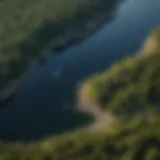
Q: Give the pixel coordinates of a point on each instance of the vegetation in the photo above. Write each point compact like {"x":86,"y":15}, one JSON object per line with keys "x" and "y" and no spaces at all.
{"x":136,"y":139}
{"x":128,"y":86}
{"x":26,"y":27}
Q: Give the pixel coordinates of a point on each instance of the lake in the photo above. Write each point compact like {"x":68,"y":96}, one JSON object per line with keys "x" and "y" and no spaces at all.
{"x":46,"y":103}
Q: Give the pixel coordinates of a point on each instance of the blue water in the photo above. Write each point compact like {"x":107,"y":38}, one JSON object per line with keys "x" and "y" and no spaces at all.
{"x":46,"y":104}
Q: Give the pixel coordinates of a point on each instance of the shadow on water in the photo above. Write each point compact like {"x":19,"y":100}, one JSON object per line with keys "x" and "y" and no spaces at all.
{"x":32,"y":115}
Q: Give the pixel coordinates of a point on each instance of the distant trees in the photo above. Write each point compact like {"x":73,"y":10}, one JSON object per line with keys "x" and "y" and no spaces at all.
{"x":26,"y":27}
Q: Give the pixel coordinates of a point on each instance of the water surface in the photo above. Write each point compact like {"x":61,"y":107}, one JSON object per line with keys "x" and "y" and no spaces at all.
{"x":45,"y":104}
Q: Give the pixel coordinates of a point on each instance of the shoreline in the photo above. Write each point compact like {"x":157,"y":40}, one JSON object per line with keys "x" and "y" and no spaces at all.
{"x":88,"y":106}
{"x":60,"y":44}
{"x":101,"y":118}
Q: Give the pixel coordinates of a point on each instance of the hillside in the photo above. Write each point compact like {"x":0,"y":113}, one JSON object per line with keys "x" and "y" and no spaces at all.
{"x":130,"y":85}
{"x":28,"y":27}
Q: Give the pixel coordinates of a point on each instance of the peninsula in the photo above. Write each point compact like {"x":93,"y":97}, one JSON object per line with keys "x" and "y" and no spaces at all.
{"x":130,"y":90}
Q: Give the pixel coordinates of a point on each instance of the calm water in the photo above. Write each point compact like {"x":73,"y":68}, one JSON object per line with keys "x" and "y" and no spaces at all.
{"x":45,"y":104}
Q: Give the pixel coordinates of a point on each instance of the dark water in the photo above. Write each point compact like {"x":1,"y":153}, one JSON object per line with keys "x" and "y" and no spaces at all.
{"x":45,"y":104}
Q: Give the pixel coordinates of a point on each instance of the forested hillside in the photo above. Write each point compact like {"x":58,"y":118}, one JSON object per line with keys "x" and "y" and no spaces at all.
{"x":27,"y":27}
{"x":131,"y":85}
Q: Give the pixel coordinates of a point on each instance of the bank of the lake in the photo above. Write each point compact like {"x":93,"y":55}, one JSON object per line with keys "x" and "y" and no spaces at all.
{"x":45,"y":104}
{"x":126,"y":87}
{"x":37,"y":47}
{"x":54,"y":46}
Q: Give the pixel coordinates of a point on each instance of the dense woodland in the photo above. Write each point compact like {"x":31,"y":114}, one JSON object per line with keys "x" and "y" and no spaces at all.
{"x":26,"y":28}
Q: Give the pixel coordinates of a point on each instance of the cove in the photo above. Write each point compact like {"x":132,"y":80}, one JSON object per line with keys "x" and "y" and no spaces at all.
{"x":46,"y":103}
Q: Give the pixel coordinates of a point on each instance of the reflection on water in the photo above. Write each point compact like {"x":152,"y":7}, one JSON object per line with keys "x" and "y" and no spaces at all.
{"x":46,"y":103}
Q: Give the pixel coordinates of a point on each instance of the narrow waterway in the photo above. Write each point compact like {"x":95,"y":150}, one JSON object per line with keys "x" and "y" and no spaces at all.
{"x":46,"y":103}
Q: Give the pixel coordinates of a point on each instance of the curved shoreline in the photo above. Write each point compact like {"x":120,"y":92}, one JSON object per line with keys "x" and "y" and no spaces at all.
{"x":101,"y":118}
{"x":86,"y":105}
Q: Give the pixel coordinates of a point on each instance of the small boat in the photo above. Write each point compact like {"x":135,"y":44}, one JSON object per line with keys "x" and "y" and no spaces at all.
{"x":57,"y":73}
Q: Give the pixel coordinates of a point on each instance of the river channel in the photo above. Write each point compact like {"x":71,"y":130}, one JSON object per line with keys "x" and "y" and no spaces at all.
{"x":45,"y":104}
